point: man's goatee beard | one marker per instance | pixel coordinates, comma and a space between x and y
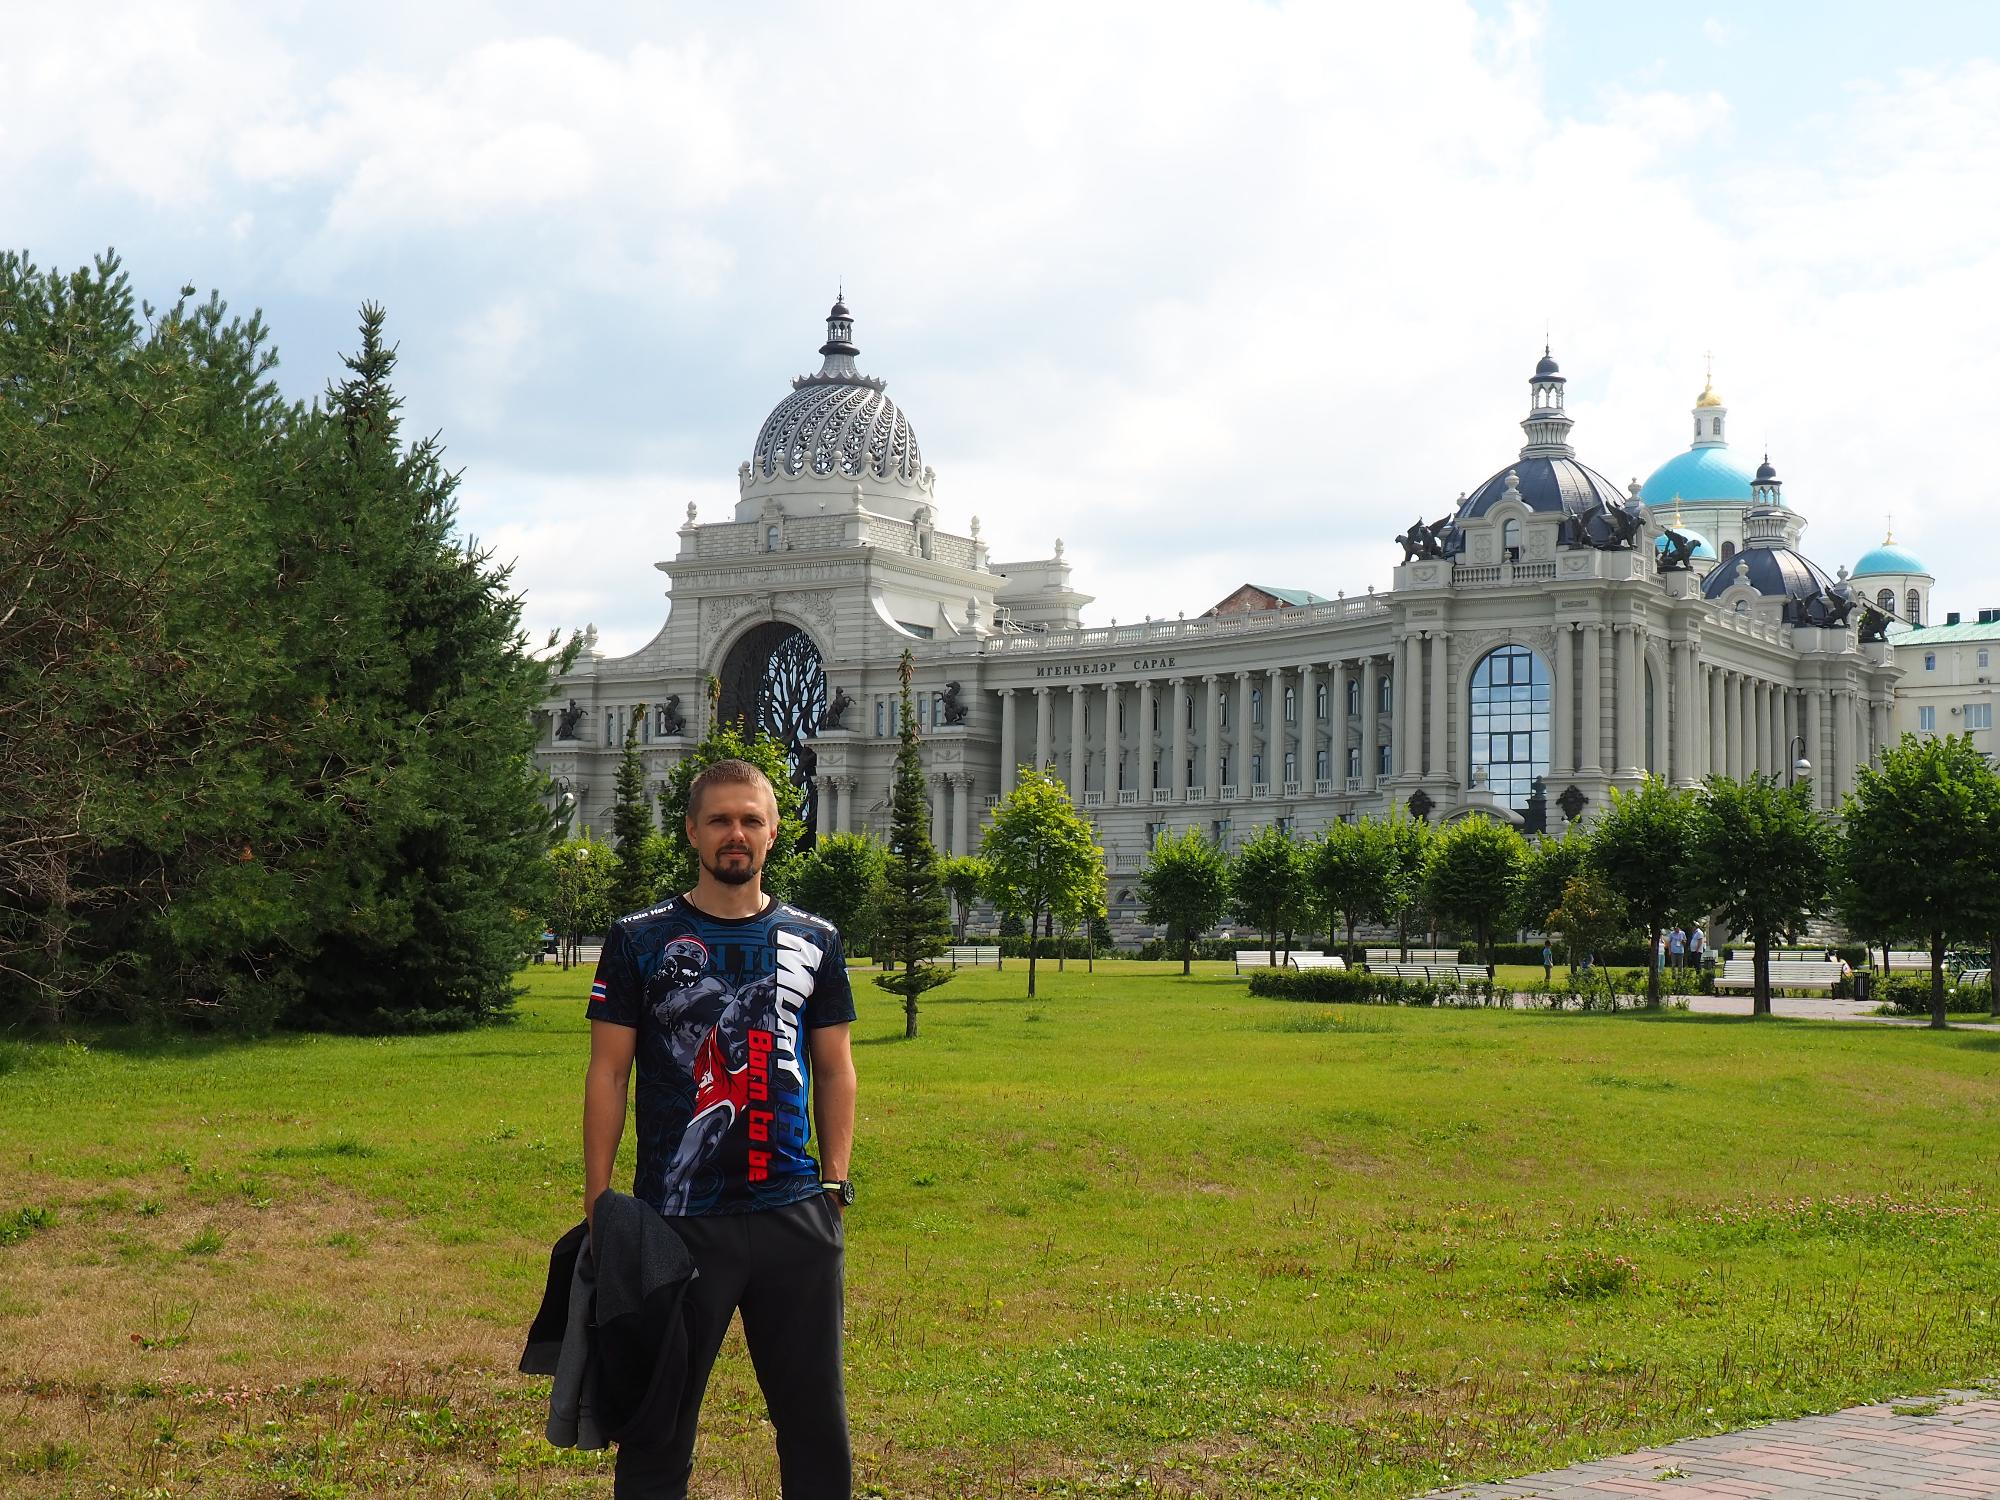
738, 876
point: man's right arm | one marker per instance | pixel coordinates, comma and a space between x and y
605, 1083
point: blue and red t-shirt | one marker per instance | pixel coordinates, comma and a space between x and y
722, 1006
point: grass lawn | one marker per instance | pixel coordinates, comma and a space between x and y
1139, 1235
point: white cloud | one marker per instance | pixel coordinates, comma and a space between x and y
1213, 291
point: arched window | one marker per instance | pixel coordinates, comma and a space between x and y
770, 538
1510, 720
1914, 614
1886, 600
1319, 701
1510, 538
1728, 550
881, 718
1291, 705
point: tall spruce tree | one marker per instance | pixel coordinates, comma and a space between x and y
403, 729
913, 926
632, 831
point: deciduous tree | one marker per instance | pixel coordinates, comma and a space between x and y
840, 878
964, 877
1184, 884
1640, 848
1041, 854
1918, 849
1346, 871
1267, 883
582, 874
1761, 857
1471, 874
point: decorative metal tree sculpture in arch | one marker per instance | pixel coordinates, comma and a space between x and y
773, 680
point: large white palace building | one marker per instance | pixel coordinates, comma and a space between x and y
1554, 637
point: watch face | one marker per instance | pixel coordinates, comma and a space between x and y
845, 1192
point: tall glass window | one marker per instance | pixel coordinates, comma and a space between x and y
1510, 720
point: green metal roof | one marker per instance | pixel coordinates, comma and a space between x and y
1945, 635
1290, 596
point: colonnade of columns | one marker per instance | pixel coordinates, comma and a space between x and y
1139, 742
951, 808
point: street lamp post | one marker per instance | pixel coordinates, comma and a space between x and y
1801, 768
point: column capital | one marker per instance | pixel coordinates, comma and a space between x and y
1040, 688
1005, 692
1211, 677
1245, 676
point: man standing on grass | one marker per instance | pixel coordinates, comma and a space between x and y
736, 1008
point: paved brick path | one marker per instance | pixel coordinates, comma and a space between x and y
1864, 1453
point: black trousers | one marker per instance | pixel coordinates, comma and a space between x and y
782, 1269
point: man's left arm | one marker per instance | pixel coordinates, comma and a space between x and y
833, 1087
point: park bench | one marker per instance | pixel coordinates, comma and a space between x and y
1318, 961
1260, 958
1786, 974
1417, 956
1451, 973
1975, 976
972, 955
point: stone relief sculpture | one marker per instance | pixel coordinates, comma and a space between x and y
669, 720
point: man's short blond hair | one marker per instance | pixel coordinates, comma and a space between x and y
728, 773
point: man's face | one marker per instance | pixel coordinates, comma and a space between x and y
733, 830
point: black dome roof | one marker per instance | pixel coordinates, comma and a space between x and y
1777, 572
1550, 486
1765, 473
1546, 366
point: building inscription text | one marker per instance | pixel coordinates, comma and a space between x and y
1106, 668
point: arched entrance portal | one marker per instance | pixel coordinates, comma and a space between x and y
773, 681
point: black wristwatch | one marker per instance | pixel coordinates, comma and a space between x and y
841, 1189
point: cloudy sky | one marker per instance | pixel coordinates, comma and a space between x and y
1215, 292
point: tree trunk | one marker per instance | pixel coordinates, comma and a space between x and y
1938, 1021
1187, 955
1993, 975
910, 1000
1653, 963
1034, 925
1350, 938
1271, 943
1760, 991
1403, 934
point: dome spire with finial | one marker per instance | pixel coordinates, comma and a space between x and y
1547, 424
839, 349
1710, 415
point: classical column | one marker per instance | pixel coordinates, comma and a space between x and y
1211, 743
1109, 780
828, 818
1246, 737
937, 812
1177, 773
1146, 741
1878, 737
1408, 690
1759, 720
1777, 731
1718, 725
1007, 755
1079, 754
849, 786
1627, 691
1440, 756
1336, 725
1562, 704
1308, 728
1593, 700
1843, 744
1818, 747
961, 813
1684, 771
1371, 724
1045, 745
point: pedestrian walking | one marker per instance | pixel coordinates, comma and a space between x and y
1677, 947
1548, 965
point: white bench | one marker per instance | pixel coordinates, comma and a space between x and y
1786, 974
1318, 961
973, 955
1417, 956
1260, 958
1974, 976
1431, 973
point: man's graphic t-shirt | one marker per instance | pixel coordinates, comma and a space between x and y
722, 1007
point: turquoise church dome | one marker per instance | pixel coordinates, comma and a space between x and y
1889, 558
1707, 471
1712, 473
